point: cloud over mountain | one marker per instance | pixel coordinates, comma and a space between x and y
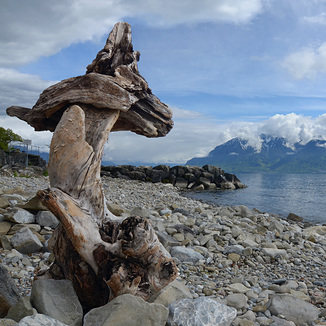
293, 127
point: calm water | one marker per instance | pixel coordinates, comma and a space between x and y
302, 194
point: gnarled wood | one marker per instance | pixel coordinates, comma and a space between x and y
102, 255
112, 82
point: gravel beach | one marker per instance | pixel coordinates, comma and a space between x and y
240, 257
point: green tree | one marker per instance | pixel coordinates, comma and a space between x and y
7, 136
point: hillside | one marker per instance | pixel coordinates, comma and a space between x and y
236, 156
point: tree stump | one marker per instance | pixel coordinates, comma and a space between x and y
101, 254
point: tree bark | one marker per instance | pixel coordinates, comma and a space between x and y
102, 255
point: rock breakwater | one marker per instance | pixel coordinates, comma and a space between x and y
208, 177
242, 265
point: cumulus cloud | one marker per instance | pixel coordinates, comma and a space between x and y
19, 89
306, 63
41, 28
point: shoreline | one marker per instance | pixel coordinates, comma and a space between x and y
235, 255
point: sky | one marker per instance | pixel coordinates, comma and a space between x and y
226, 68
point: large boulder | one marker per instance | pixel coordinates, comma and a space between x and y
57, 299
127, 310
293, 309
200, 312
9, 295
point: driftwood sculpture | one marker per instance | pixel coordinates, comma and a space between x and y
102, 255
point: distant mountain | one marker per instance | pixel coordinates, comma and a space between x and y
236, 156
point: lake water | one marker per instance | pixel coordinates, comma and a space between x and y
302, 194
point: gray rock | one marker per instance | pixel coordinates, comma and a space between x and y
236, 300
200, 312
264, 321
57, 299
272, 252
166, 240
7, 322
244, 211
13, 257
4, 202
21, 216
165, 212
46, 218
235, 249
238, 288
176, 290
249, 315
34, 204
181, 183
22, 309
127, 310
35, 228
5, 242
4, 227
227, 185
26, 242
198, 188
9, 295
141, 212
281, 322
294, 217
296, 310
38, 320
186, 254
115, 209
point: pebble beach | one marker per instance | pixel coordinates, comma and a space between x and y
237, 256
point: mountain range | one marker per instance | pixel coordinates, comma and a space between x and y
237, 156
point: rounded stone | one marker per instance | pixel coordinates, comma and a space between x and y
234, 257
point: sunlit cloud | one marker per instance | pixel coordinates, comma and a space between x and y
306, 63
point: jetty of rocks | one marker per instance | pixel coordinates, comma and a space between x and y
236, 265
196, 178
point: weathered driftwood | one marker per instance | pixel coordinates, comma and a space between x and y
102, 255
